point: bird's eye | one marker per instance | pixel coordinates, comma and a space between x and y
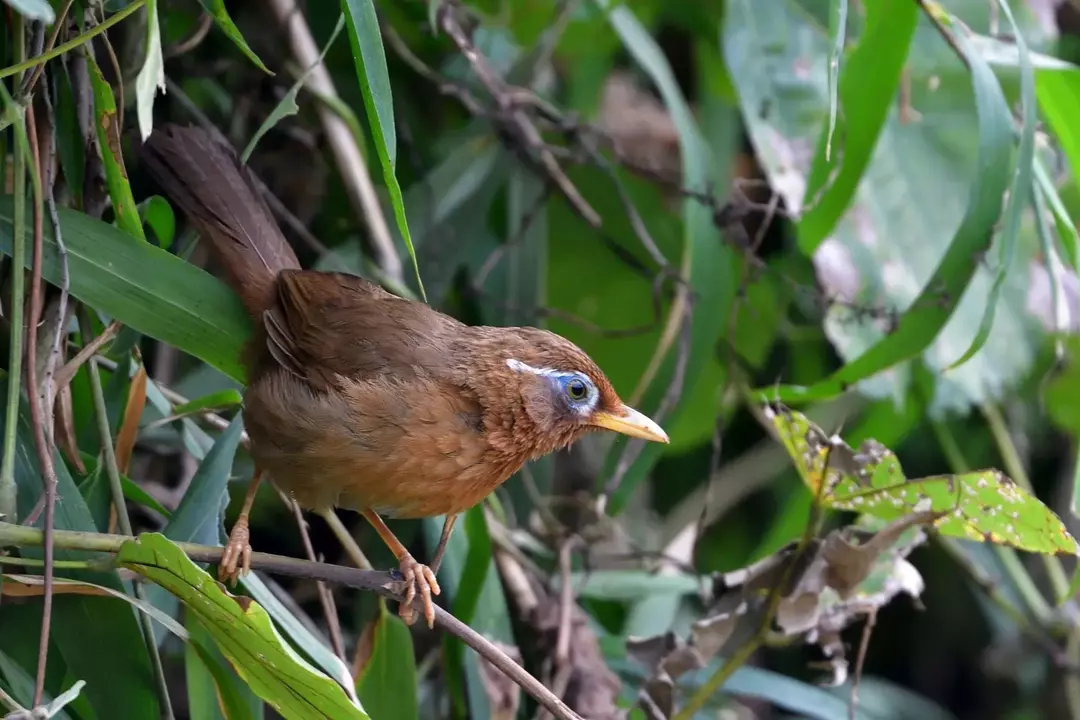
577, 389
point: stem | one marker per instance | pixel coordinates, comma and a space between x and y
117, 490
73, 43
8, 492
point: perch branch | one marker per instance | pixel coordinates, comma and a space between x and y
381, 583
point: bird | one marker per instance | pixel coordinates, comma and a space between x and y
357, 398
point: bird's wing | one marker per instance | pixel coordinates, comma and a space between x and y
328, 324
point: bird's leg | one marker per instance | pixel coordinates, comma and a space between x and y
417, 576
236, 557
447, 528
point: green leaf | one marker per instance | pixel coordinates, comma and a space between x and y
217, 10
386, 683
867, 88
214, 691
144, 287
198, 518
243, 631
984, 506
107, 123
314, 647
920, 324
221, 400
838, 32
631, 585
34, 10
370, 58
287, 105
1019, 193
151, 77
69, 142
22, 689
156, 212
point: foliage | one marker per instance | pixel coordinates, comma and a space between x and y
771, 224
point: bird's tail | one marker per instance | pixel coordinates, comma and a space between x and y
204, 178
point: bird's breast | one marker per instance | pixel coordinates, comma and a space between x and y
403, 449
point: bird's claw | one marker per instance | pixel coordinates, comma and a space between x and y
236, 556
418, 577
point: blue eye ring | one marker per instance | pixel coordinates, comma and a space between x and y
577, 389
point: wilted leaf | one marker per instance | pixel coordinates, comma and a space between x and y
981, 506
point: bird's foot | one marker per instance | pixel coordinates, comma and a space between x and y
420, 578
236, 557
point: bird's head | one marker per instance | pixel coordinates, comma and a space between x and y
557, 394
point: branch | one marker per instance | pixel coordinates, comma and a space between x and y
379, 582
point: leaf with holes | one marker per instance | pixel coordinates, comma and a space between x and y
985, 506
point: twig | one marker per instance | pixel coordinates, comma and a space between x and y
381, 583
48, 389
206, 21
515, 120
41, 445
325, 596
860, 661
67, 372
350, 160
57, 26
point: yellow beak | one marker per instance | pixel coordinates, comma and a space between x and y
628, 421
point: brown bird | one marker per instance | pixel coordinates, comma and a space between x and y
360, 399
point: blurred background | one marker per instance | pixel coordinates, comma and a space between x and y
723, 203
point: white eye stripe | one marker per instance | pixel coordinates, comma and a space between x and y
581, 407
518, 366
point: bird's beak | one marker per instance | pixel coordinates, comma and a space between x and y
628, 421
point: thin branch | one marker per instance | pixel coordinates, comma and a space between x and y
381, 583
48, 389
326, 598
37, 422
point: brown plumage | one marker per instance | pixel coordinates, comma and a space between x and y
360, 399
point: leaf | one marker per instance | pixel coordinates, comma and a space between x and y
217, 10
984, 506
198, 518
221, 400
287, 105
941, 294
22, 688
838, 30
314, 647
158, 214
244, 633
214, 690
129, 427
120, 682
144, 287
107, 124
631, 585
370, 59
386, 681
34, 10
151, 77
1019, 193
867, 88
